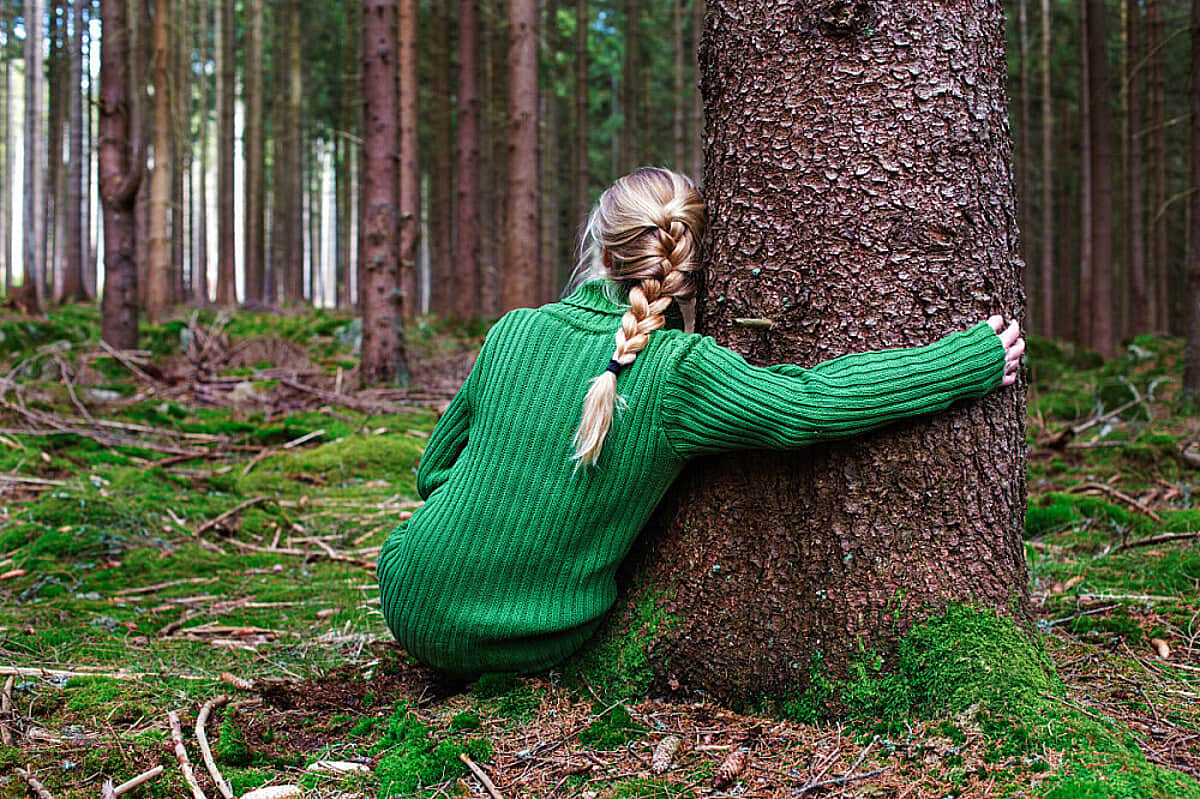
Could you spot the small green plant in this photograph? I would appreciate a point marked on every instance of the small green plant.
(611, 728)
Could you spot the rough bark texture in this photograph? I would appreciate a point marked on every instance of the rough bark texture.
(158, 286)
(466, 168)
(226, 241)
(383, 337)
(119, 175)
(410, 165)
(860, 193)
(519, 278)
(1191, 367)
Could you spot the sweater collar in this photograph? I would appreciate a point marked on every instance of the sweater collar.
(594, 296)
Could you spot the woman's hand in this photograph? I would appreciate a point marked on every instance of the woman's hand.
(1014, 346)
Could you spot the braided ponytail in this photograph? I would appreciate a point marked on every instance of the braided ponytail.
(647, 224)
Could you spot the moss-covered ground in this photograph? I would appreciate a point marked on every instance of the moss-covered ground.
(201, 518)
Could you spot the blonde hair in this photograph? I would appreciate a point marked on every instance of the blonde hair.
(648, 226)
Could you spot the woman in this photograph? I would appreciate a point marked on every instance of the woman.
(531, 504)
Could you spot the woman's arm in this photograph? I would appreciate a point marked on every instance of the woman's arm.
(716, 401)
(447, 441)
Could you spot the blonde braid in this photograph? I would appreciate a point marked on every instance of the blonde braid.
(660, 256)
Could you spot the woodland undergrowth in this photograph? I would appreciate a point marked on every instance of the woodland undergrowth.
(191, 528)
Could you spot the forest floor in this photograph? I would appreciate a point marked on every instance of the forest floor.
(191, 529)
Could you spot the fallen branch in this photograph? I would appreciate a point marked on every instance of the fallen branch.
(205, 751)
(6, 711)
(38, 789)
(1103, 488)
(107, 791)
(211, 523)
(86, 671)
(181, 755)
(126, 361)
(1156, 539)
(481, 776)
(144, 777)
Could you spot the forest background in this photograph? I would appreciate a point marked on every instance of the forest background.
(512, 116)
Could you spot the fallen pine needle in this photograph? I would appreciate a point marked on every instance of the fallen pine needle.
(182, 756)
(38, 789)
(145, 776)
(202, 739)
(481, 776)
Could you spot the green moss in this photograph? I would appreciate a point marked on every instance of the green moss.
(353, 459)
(612, 727)
(489, 686)
(646, 788)
(411, 759)
(231, 747)
(364, 726)
(83, 694)
(615, 662)
(242, 780)
(465, 721)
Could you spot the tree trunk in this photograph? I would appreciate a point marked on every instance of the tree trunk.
(1158, 161)
(1051, 325)
(697, 159)
(519, 275)
(466, 169)
(54, 197)
(1104, 333)
(410, 165)
(200, 256)
(35, 187)
(678, 140)
(852, 231)
(1084, 311)
(1136, 235)
(158, 288)
(181, 148)
(1191, 367)
(441, 172)
(383, 358)
(1022, 159)
(253, 265)
(6, 183)
(582, 172)
(550, 261)
(71, 287)
(630, 157)
(120, 172)
(226, 227)
(293, 139)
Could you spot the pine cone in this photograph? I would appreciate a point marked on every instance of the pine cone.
(664, 753)
(730, 770)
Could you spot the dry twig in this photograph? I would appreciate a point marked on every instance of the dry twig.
(38, 789)
(481, 776)
(144, 777)
(202, 739)
(236, 509)
(181, 755)
(6, 711)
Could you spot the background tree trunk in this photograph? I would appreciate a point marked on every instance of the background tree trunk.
(1104, 330)
(35, 175)
(71, 288)
(410, 168)
(383, 359)
(466, 169)
(293, 138)
(1084, 313)
(441, 170)
(200, 256)
(158, 288)
(520, 264)
(1051, 325)
(582, 173)
(1158, 161)
(120, 172)
(7, 14)
(1191, 367)
(253, 264)
(851, 232)
(226, 89)
(1139, 301)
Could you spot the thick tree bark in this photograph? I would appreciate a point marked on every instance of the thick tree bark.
(35, 175)
(441, 172)
(467, 253)
(519, 276)
(159, 280)
(1051, 324)
(226, 226)
(860, 196)
(1191, 367)
(71, 288)
(253, 264)
(1022, 159)
(1104, 331)
(410, 164)
(121, 164)
(383, 357)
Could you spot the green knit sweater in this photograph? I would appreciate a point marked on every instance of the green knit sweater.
(509, 565)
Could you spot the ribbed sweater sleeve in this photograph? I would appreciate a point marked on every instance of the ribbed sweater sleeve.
(447, 441)
(714, 401)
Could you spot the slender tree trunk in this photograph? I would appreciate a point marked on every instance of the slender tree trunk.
(254, 266)
(35, 176)
(410, 165)
(1158, 160)
(226, 88)
(441, 172)
(843, 547)
(1051, 325)
(1191, 367)
(550, 261)
(631, 132)
(678, 139)
(1104, 332)
(200, 256)
(72, 280)
(1022, 159)
(1134, 190)
(158, 289)
(698, 143)
(54, 198)
(293, 276)
(6, 182)
(1084, 309)
(520, 265)
(181, 148)
(466, 172)
(89, 252)
(120, 171)
(582, 172)
(383, 357)
(140, 67)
